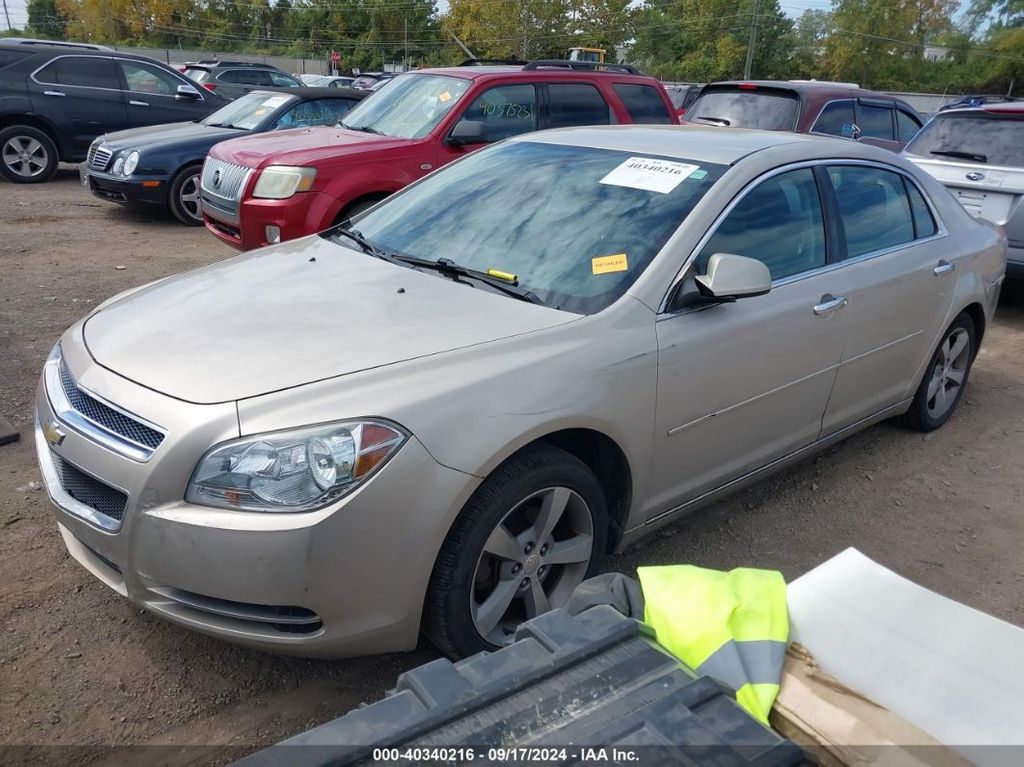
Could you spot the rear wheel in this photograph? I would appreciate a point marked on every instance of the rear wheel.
(183, 196)
(945, 377)
(27, 155)
(532, 532)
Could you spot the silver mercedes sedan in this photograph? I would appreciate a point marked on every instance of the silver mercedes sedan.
(440, 416)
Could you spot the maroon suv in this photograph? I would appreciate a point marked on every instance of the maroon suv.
(277, 186)
(835, 109)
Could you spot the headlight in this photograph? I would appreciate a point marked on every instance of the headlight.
(118, 165)
(131, 162)
(279, 182)
(299, 470)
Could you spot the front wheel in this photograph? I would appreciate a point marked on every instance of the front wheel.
(945, 377)
(183, 196)
(532, 532)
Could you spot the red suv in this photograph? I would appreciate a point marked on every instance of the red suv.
(835, 109)
(286, 184)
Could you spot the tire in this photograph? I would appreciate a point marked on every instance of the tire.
(183, 196)
(27, 155)
(939, 392)
(504, 515)
(354, 210)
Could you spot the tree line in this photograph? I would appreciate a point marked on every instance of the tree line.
(913, 45)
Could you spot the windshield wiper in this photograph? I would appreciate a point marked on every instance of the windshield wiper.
(449, 268)
(363, 128)
(719, 120)
(365, 245)
(962, 155)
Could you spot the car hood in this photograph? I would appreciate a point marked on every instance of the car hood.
(167, 135)
(302, 146)
(292, 314)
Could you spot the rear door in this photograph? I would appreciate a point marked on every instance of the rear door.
(900, 287)
(876, 123)
(82, 96)
(152, 95)
(644, 103)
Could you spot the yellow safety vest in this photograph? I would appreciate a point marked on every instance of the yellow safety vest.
(731, 626)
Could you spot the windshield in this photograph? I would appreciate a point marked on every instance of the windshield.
(247, 112)
(972, 137)
(735, 108)
(576, 225)
(409, 106)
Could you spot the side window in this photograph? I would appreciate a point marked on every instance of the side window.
(144, 78)
(779, 222)
(924, 223)
(908, 125)
(576, 104)
(319, 112)
(282, 80)
(644, 104)
(245, 77)
(82, 71)
(836, 119)
(874, 208)
(505, 110)
(875, 122)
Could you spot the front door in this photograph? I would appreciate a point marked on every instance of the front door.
(742, 384)
(502, 111)
(82, 96)
(152, 96)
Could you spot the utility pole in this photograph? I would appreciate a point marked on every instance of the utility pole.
(405, 61)
(8, 16)
(753, 40)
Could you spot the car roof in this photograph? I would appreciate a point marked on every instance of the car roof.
(31, 43)
(308, 93)
(1002, 108)
(721, 146)
(543, 71)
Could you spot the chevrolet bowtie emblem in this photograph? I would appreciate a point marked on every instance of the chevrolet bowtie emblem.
(53, 433)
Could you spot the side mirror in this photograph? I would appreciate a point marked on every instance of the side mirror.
(730, 277)
(468, 132)
(186, 93)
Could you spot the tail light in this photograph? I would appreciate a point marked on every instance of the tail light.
(680, 114)
(210, 86)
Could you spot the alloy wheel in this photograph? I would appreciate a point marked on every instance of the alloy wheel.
(188, 198)
(949, 372)
(25, 156)
(531, 562)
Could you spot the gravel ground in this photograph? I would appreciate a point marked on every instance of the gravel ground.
(83, 669)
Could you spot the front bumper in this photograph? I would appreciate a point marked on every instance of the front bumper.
(302, 214)
(126, 191)
(342, 581)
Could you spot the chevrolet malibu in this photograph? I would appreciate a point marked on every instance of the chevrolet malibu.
(441, 416)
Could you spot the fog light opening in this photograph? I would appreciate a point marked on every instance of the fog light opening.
(273, 234)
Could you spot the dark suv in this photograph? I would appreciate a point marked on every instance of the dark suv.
(55, 98)
(285, 184)
(834, 109)
(232, 79)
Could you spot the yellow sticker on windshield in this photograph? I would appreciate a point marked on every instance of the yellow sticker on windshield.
(606, 264)
(446, 96)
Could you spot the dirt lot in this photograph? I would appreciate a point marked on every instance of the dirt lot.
(80, 666)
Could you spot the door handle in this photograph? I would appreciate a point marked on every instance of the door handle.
(830, 304)
(139, 103)
(944, 267)
(53, 93)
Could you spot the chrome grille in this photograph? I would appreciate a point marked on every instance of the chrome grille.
(221, 187)
(89, 491)
(99, 157)
(105, 416)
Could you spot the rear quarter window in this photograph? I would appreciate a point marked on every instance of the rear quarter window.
(761, 108)
(644, 104)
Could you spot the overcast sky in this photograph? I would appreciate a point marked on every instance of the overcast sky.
(16, 9)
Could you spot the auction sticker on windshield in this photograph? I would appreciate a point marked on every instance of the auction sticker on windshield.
(649, 174)
(275, 101)
(606, 264)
